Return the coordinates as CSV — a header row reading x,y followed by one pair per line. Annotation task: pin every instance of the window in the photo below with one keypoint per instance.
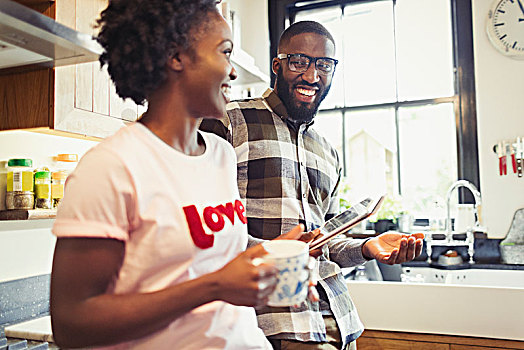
x,y
398,97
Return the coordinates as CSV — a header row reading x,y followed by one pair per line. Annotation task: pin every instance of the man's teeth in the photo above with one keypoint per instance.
x,y
226,90
306,92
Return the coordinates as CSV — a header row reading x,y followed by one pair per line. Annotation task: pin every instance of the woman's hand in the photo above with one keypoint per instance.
x,y
297,233
245,281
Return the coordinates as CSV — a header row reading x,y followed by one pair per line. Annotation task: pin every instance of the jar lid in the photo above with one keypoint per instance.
x,y
20,162
58,175
43,175
65,157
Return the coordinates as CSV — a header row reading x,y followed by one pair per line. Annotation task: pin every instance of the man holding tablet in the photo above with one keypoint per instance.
x,y
289,174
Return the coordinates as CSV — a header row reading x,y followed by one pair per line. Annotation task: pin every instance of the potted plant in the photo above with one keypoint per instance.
x,y
386,217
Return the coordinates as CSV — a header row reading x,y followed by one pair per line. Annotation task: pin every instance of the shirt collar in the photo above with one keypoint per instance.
x,y
278,107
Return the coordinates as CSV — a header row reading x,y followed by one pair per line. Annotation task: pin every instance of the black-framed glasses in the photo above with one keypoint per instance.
x,y
298,62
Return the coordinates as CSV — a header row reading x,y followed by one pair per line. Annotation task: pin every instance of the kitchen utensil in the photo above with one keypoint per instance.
x,y
501,152
513,159
519,154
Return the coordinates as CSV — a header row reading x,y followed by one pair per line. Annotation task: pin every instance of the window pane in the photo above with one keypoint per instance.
x,y
331,19
371,152
369,53
424,49
428,155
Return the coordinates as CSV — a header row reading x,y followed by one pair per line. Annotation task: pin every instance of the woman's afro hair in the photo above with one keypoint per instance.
x,y
139,36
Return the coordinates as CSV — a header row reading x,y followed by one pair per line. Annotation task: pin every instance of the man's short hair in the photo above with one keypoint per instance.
x,y
303,27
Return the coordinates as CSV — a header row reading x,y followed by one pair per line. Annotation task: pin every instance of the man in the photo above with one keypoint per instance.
x,y
289,174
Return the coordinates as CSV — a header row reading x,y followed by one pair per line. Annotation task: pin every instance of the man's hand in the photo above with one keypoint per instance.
x,y
298,233
393,247
309,237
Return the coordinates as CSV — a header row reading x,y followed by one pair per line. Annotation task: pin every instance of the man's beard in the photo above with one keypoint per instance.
x,y
298,111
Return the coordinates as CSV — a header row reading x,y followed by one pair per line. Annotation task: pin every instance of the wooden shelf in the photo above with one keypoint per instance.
x,y
34,214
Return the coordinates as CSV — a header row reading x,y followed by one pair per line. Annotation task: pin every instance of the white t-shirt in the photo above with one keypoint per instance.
x,y
180,217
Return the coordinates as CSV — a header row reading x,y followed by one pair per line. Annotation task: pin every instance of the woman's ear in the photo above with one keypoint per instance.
x,y
175,63
276,65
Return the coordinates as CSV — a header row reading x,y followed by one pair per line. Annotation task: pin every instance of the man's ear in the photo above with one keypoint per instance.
x,y
175,62
276,65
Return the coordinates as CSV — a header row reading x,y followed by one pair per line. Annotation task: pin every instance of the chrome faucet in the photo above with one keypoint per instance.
x,y
476,196
470,237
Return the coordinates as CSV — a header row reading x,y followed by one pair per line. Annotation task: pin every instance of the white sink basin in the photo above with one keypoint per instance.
x,y
469,277
439,308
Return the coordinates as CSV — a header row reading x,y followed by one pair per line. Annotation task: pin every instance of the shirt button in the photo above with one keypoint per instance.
x,y
304,195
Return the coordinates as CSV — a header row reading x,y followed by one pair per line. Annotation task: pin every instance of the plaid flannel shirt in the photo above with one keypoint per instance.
x,y
287,175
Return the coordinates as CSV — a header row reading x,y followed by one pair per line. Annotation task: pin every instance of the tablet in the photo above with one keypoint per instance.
x,y
344,221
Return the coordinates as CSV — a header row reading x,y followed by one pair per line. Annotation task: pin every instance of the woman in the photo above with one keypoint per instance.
x,y
151,230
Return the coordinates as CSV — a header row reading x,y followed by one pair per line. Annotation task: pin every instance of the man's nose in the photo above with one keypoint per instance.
x,y
311,75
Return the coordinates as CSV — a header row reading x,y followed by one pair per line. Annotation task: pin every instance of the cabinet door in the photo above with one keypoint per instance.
x,y
364,343
85,103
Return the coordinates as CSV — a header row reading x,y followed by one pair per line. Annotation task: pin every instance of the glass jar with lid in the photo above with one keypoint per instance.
x,y
65,164
19,194
58,179
19,175
43,198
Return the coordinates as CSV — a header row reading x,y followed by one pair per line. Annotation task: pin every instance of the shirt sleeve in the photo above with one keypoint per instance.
x,y
346,252
100,199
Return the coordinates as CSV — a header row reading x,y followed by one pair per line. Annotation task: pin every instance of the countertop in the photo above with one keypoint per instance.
x,y
36,329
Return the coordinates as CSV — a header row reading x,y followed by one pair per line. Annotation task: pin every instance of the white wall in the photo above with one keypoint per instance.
x,y
27,246
500,114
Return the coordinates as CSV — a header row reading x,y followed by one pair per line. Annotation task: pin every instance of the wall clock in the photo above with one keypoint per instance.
x,y
505,27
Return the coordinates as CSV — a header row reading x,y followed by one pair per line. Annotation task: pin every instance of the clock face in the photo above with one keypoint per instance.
x,y
506,27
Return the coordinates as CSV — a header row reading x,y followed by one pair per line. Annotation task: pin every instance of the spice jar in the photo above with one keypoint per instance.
x,y
43,198
20,200
19,193
19,175
65,164
58,179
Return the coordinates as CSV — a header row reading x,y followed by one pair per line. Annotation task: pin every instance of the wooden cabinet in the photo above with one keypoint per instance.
x,y
78,99
81,99
382,340
365,343
85,97
474,347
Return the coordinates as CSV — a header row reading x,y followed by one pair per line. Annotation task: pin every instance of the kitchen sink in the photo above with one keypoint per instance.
x,y
470,277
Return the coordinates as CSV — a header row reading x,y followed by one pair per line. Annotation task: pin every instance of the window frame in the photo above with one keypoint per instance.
x,y
464,100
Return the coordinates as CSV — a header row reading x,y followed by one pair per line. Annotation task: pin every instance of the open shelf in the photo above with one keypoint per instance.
x,y
248,72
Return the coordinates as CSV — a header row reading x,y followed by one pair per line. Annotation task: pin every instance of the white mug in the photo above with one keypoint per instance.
x,y
291,258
